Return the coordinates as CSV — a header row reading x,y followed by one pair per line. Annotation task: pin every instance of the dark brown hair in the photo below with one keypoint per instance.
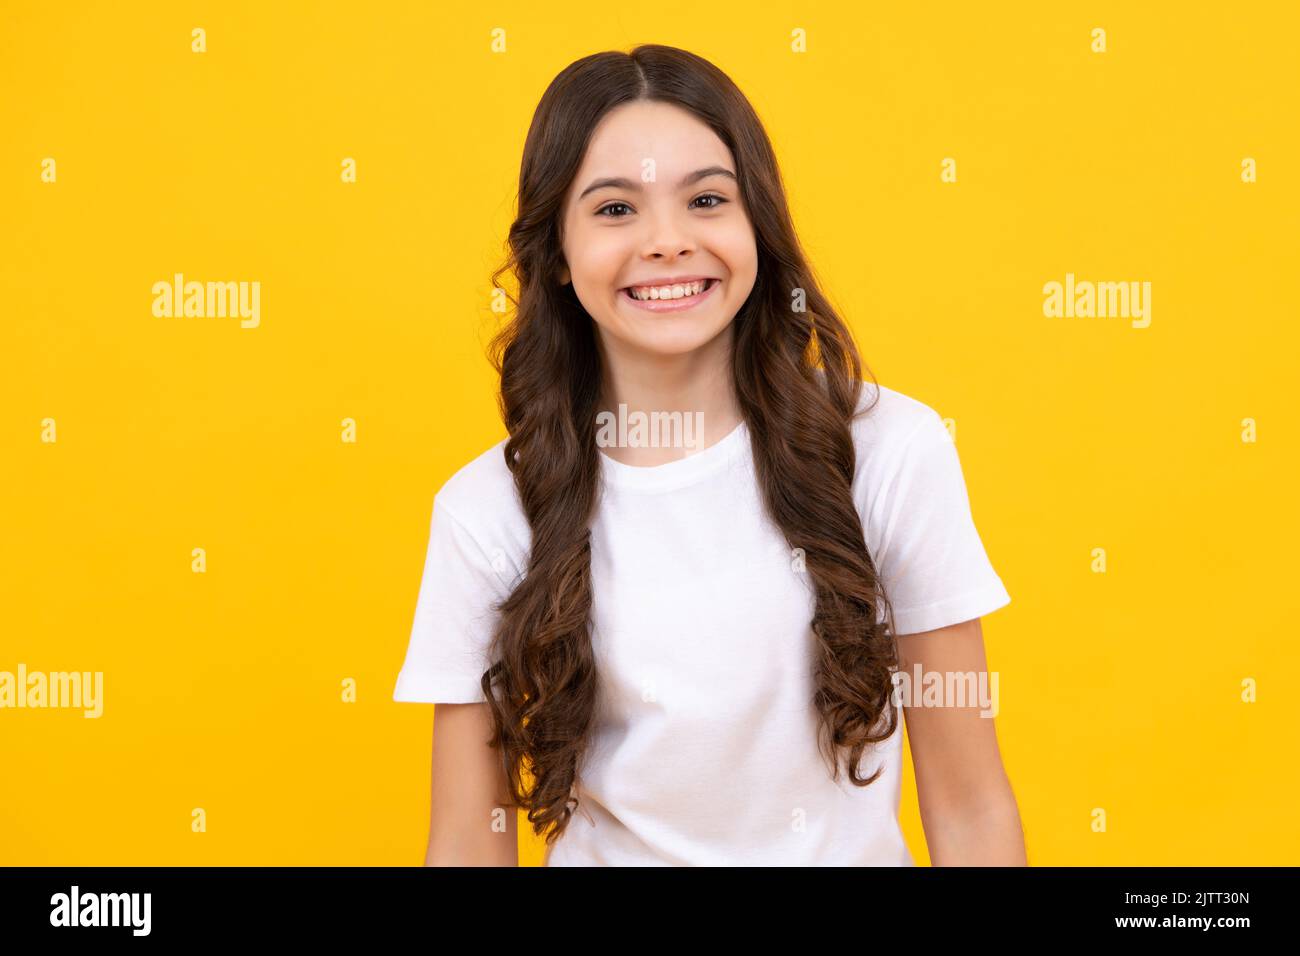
x,y
797,378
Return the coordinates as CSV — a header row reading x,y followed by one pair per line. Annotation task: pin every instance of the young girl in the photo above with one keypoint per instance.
x,y
685,655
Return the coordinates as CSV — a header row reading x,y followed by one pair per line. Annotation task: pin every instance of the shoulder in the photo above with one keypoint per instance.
x,y
900,444
888,422
481,498
478,484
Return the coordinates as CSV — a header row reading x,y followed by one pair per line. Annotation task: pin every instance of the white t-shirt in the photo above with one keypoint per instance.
x,y
704,749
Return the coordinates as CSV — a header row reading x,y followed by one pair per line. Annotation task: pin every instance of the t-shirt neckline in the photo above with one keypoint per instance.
x,y
679,473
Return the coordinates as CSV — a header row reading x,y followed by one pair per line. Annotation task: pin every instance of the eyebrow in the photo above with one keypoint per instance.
x,y
619,182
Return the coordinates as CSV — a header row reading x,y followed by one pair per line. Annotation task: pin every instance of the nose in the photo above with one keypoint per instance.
x,y
668,238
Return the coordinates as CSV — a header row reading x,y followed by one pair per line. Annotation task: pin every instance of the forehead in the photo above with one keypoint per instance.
x,y
676,139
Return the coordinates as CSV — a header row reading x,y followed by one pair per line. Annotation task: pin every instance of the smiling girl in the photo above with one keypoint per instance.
x,y
673,655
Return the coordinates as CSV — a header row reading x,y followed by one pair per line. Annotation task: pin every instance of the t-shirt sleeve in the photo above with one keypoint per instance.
x,y
455,616
927,550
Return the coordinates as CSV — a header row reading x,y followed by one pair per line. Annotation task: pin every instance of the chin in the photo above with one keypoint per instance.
x,y
672,342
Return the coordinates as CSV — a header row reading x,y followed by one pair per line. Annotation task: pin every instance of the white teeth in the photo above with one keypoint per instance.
x,y
669,291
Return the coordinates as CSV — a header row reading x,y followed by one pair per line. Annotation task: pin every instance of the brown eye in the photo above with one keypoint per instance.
x,y
604,210
720,200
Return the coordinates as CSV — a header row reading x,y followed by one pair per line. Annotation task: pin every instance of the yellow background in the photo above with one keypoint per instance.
x,y
1119,691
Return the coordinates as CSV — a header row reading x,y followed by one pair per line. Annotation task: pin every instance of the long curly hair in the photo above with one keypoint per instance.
x,y
797,379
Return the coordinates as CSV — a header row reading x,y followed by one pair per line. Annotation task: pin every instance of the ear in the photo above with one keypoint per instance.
x,y
564,276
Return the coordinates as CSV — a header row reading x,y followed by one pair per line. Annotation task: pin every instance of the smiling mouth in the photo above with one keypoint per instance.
x,y
708,286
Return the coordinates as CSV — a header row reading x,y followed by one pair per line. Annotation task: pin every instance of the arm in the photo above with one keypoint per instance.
x,y
967,808
471,820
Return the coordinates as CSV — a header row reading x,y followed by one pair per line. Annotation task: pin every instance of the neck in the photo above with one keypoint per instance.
x,y
698,384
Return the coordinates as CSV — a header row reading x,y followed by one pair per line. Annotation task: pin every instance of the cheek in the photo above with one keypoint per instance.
x,y
737,250
597,255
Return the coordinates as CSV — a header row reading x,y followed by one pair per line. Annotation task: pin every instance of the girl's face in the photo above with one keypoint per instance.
x,y
654,203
